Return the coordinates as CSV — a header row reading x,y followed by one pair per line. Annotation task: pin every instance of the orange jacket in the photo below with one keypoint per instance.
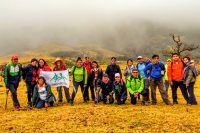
x,y
175,71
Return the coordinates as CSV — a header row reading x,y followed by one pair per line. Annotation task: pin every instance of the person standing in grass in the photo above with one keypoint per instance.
x,y
42,94
135,86
12,77
112,69
119,89
104,87
79,79
129,68
30,77
190,75
155,76
166,81
60,66
140,67
96,75
88,66
175,76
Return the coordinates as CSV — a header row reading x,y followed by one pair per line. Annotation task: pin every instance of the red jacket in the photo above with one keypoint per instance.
x,y
88,67
175,71
45,68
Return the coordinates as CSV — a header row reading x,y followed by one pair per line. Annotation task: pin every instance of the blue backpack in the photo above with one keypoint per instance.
x,y
156,70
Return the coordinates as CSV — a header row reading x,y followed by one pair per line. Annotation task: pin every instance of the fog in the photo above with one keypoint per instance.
x,y
111,24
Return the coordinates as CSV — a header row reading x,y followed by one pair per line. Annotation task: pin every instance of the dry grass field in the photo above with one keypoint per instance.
x,y
100,118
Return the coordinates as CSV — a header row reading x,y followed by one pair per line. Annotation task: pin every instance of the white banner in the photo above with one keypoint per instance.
x,y
56,78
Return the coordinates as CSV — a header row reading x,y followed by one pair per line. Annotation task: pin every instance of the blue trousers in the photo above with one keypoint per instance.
x,y
13,90
192,98
41,103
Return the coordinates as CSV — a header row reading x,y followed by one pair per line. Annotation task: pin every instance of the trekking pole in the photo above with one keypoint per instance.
x,y
6,104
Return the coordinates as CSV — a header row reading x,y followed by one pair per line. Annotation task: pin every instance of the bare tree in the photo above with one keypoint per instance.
x,y
179,47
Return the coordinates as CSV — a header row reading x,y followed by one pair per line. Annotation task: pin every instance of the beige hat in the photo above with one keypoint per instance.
x,y
58,59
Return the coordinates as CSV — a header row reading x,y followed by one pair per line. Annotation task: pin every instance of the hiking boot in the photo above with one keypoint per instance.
x,y
17,108
95,101
85,101
143,103
169,103
153,103
29,105
71,103
68,101
175,102
60,101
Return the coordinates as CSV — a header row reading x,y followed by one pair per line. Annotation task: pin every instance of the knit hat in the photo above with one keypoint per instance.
x,y
117,75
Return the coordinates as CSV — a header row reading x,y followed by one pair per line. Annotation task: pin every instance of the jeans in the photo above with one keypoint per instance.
x,y
175,86
60,96
75,90
154,83
13,90
41,103
192,98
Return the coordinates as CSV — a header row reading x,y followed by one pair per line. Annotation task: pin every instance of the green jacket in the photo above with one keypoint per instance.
x,y
12,74
79,74
36,94
135,85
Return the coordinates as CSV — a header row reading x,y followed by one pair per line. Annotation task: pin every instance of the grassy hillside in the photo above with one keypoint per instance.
x,y
100,118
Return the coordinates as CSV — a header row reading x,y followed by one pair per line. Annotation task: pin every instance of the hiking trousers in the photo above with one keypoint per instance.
x,y
30,89
192,98
154,83
91,87
13,90
184,92
60,95
75,90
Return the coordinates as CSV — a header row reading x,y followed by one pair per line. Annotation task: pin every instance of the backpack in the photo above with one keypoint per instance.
x,y
160,65
195,72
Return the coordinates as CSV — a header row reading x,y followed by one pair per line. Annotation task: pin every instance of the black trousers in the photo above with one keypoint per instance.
x,y
182,86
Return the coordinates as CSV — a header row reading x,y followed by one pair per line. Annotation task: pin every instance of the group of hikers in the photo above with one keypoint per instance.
x,y
108,86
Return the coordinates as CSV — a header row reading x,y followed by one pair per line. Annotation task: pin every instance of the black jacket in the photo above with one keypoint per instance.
x,y
106,88
112,70
28,73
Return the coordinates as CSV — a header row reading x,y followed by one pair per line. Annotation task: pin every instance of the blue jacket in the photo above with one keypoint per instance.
x,y
141,68
155,70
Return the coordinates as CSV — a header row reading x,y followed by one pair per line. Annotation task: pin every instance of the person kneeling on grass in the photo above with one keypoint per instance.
x,y
42,94
135,86
119,88
104,87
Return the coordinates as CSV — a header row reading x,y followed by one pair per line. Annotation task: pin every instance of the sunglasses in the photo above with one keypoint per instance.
x,y
117,77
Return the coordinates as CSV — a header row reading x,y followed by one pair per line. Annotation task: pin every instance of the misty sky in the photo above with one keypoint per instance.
x,y
27,24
